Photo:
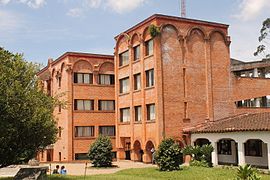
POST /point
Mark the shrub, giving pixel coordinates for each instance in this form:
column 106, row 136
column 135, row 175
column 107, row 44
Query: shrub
column 201, row 163
column 100, row 152
column 246, row 172
column 199, row 153
column 154, row 30
column 168, row 156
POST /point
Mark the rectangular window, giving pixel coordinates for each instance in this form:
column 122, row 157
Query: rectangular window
column 253, row 148
column 151, row 115
column 124, row 85
column 123, row 58
column 149, row 47
column 83, row 78
column 150, row 79
column 83, row 105
column 84, row 131
column 107, row 130
column 137, row 81
column 81, row 156
column 106, row 105
column 107, row 79
column 124, row 115
column 136, row 51
column 138, row 113
column 225, row 147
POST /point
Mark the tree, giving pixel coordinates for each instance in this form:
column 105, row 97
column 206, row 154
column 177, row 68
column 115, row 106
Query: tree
column 264, row 39
column 168, row 155
column 100, row 152
column 26, row 120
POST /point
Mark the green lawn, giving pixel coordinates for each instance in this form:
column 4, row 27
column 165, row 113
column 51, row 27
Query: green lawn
column 193, row 173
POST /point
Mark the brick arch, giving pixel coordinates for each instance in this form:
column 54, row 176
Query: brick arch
column 196, row 31
column 172, row 26
column 212, row 33
column 146, row 33
column 62, row 67
column 122, row 37
column 106, row 68
column 136, row 37
column 82, row 66
column 53, row 73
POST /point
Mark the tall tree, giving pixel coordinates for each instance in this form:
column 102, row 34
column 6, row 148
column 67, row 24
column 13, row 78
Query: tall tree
column 264, row 40
column 26, row 120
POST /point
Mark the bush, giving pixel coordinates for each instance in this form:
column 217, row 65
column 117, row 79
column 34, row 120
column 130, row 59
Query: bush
column 100, row 152
column 246, row 172
column 168, row 156
column 154, row 30
column 199, row 153
column 201, row 163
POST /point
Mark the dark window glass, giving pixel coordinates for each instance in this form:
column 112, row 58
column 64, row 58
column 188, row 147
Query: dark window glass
column 149, row 47
column 224, row 147
column 84, row 131
column 253, row 148
column 123, row 58
column 136, row 50
column 151, row 114
column 150, row 79
column 83, row 78
column 106, row 105
column 107, row 130
column 83, row 105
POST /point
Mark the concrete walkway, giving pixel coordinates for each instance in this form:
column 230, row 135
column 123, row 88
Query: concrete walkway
column 79, row 168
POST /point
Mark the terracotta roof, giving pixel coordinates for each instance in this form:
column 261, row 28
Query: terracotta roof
column 242, row 122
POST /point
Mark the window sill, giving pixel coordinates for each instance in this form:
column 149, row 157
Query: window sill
column 84, row 138
column 151, row 87
column 151, row 121
column 123, row 94
column 82, row 84
column 138, row 122
column 148, row 56
column 135, row 91
column 97, row 85
column 136, row 61
column 93, row 111
column 121, row 67
column 124, row 123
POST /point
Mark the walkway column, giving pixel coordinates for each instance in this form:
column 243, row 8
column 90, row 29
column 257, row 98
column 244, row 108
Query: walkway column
column 241, row 154
column 214, row 154
column 268, row 155
column 255, row 72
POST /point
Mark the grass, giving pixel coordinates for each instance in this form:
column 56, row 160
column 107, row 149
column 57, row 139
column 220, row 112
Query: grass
column 153, row 173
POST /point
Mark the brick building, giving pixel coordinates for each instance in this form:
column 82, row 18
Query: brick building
column 85, row 82
column 172, row 82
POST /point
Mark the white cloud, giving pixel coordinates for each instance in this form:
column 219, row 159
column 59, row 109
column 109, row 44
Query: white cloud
column 122, row 6
column 4, row 2
column 93, row 3
column 251, row 9
column 119, row 6
column 75, row 12
column 35, row 4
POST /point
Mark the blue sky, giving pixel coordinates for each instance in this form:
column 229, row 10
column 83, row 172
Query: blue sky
column 48, row 28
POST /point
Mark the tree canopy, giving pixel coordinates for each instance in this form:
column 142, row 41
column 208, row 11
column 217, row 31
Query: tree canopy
column 26, row 120
column 264, row 40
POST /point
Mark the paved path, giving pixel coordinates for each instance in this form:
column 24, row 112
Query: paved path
column 79, row 168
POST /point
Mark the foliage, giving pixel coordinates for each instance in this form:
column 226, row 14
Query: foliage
column 246, row 172
column 168, row 155
column 201, row 163
column 199, row 153
column 154, row 30
column 188, row 173
column 26, row 120
column 264, row 39
column 100, row 152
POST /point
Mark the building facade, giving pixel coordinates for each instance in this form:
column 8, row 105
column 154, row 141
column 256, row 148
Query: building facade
column 85, row 84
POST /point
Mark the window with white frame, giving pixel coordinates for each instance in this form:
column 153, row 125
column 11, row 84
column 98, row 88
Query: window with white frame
column 83, row 105
column 84, row 131
column 124, row 114
column 137, row 81
column 136, row 51
column 150, row 79
column 151, row 114
column 123, row 58
column 106, row 105
column 124, row 85
column 138, row 113
column 83, row 78
column 107, row 130
column 149, row 47
column 106, row 79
